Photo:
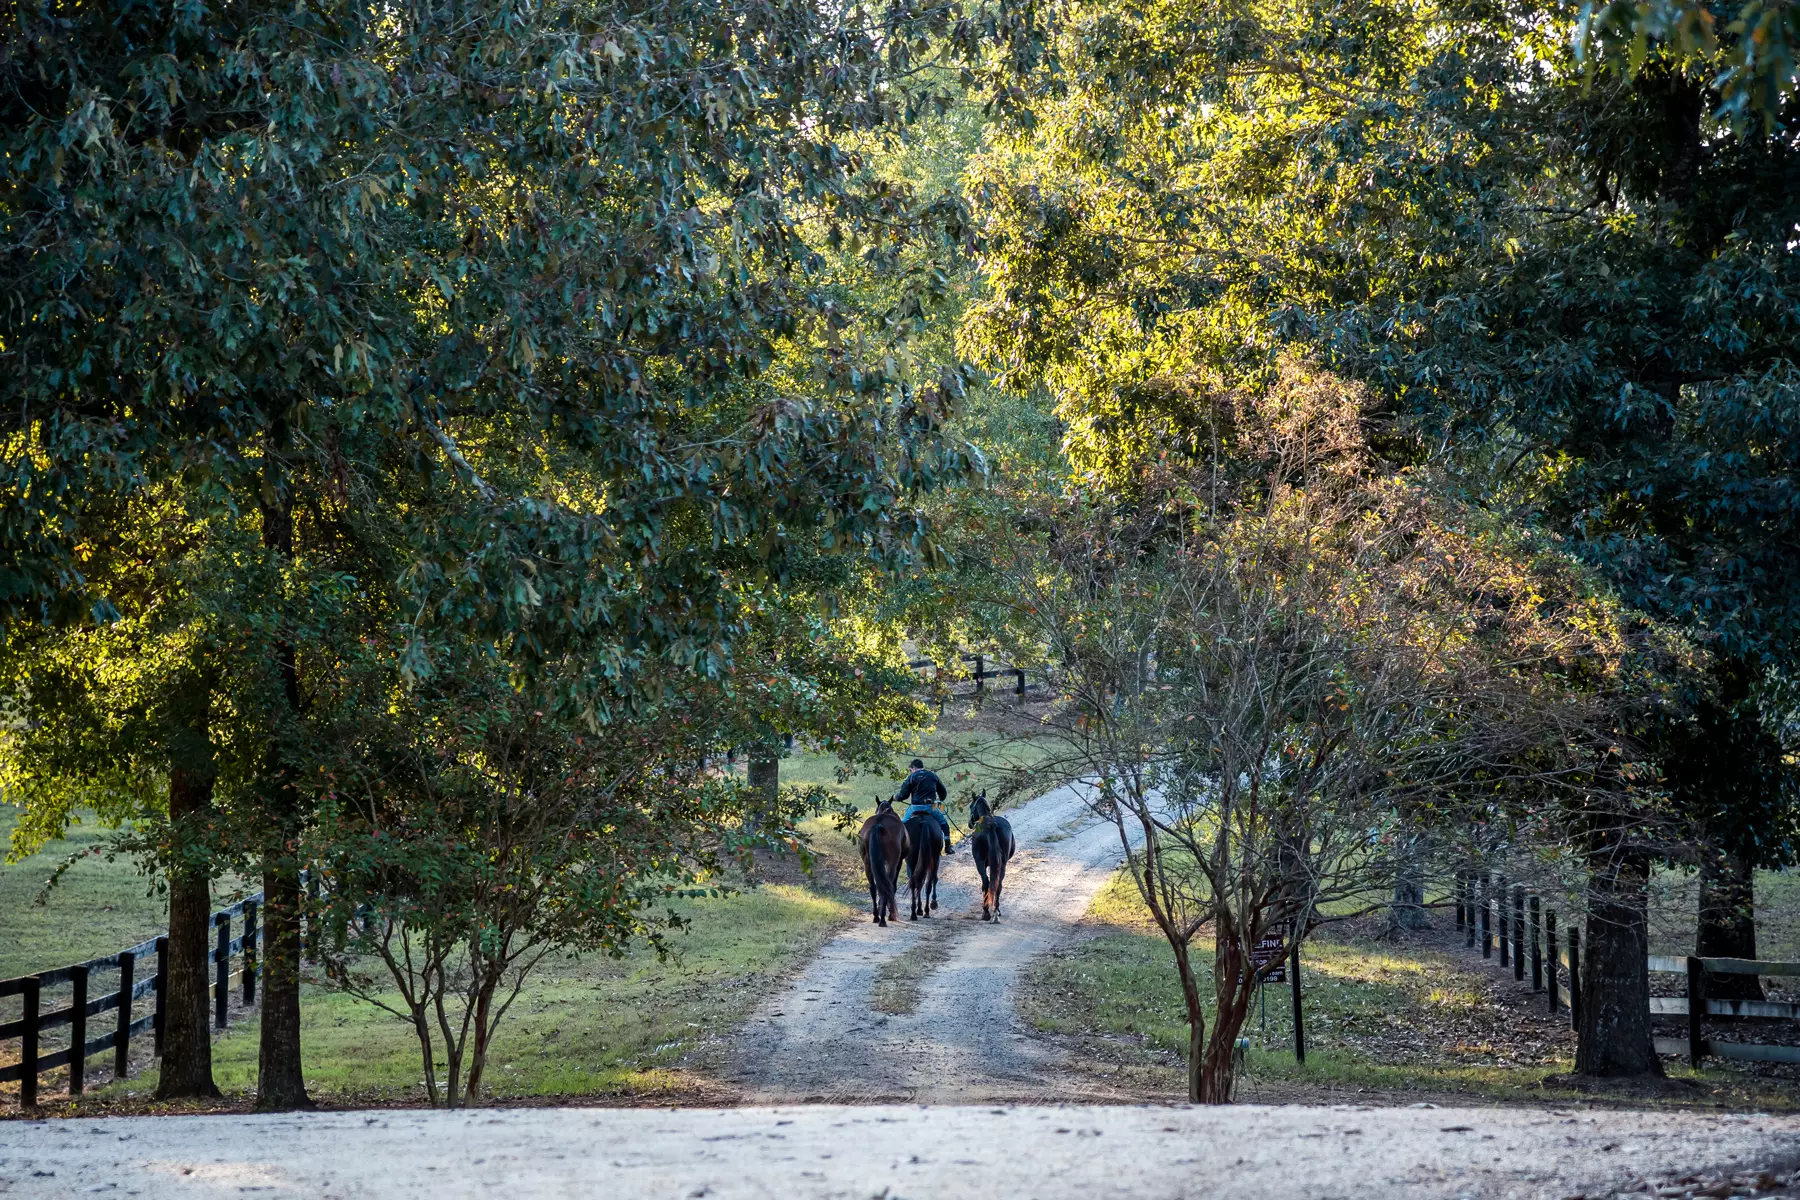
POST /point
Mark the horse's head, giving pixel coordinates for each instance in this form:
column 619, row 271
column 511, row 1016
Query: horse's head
column 978, row 808
column 884, row 806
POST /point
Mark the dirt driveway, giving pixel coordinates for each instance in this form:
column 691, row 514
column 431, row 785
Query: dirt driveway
column 821, row 1041
column 1047, row 1152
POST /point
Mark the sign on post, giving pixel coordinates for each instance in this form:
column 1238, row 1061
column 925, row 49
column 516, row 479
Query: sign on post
column 1269, row 957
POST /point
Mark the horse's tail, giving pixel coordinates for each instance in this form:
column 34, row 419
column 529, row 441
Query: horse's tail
column 877, row 866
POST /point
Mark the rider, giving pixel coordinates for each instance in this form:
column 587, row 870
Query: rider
column 927, row 794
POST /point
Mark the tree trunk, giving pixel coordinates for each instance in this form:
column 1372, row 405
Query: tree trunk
column 765, row 777
column 484, row 1007
column 1231, row 1004
column 187, row 1021
column 1614, row 1038
column 1727, row 921
column 1196, row 1015
column 1407, row 911
column 281, row 1083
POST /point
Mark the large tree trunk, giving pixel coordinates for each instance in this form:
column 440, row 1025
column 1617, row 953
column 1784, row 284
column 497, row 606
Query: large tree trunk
column 765, row 776
column 187, row 1025
column 1407, row 911
column 1614, row 1038
column 1727, row 921
column 281, row 1083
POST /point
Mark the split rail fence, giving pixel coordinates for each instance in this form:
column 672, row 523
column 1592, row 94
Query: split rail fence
column 77, row 1003
column 1515, row 921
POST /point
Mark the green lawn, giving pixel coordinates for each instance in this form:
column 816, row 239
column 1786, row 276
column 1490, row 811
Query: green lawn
column 99, row 906
column 584, row 1027
column 1380, row 1017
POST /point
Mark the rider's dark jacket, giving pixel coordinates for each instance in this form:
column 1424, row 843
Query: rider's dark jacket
column 922, row 787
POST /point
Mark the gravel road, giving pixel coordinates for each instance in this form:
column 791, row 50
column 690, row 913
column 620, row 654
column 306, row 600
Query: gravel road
column 796, row 1153
column 820, row 1040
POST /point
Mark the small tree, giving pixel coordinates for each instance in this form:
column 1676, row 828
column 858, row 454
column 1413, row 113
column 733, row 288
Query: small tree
column 468, row 845
column 1277, row 669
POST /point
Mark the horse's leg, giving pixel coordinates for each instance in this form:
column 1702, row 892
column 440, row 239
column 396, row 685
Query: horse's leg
column 981, row 867
column 874, row 888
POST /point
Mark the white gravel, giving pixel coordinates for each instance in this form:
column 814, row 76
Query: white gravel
column 795, row 1153
column 820, row 1040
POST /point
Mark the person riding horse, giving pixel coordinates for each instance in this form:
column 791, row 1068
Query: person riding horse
column 926, row 793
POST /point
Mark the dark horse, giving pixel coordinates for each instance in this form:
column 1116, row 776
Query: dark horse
column 927, row 842
column 883, row 843
column 990, row 843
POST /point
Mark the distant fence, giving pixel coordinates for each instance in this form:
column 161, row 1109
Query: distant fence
column 78, row 1004
column 1486, row 906
column 981, row 673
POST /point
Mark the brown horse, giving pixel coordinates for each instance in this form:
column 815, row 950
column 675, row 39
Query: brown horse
column 884, row 846
column 926, row 840
column 990, row 843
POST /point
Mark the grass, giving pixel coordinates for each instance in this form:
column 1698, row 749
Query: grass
column 584, row 1027
column 99, row 907
column 898, row 981
column 1408, row 1018
column 595, row 1027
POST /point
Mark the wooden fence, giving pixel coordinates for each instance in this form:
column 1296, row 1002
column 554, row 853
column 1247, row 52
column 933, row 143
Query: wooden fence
column 1696, row 1007
column 981, row 672
column 132, row 984
column 1486, row 906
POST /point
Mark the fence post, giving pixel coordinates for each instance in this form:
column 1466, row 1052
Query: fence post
column 249, row 953
column 28, row 1045
column 1487, row 926
column 78, row 1030
column 122, row 1046
column 1019, row 688
column 978, row 674
column 1299, row 1024
column 221, row 968
column 1696, row 973
column 162, row 994
column 1555, row 957
column 1537, row 949
column 1574, row 978
column 1500, row 919
column 1518, row 931
column 1456, row 892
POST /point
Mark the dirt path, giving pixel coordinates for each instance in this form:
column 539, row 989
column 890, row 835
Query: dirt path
column 1049, row 1152
column 822, row 1041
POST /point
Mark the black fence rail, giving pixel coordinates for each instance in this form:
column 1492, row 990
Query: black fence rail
column 981, row 672
column 132, row 974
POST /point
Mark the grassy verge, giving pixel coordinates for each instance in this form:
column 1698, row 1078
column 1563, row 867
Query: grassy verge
column 1413, row 1018
column 591, row 1027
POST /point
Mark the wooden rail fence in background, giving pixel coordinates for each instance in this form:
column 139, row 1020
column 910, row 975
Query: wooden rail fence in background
column 981, row 672
column 1486, row 905
column 132, row 985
